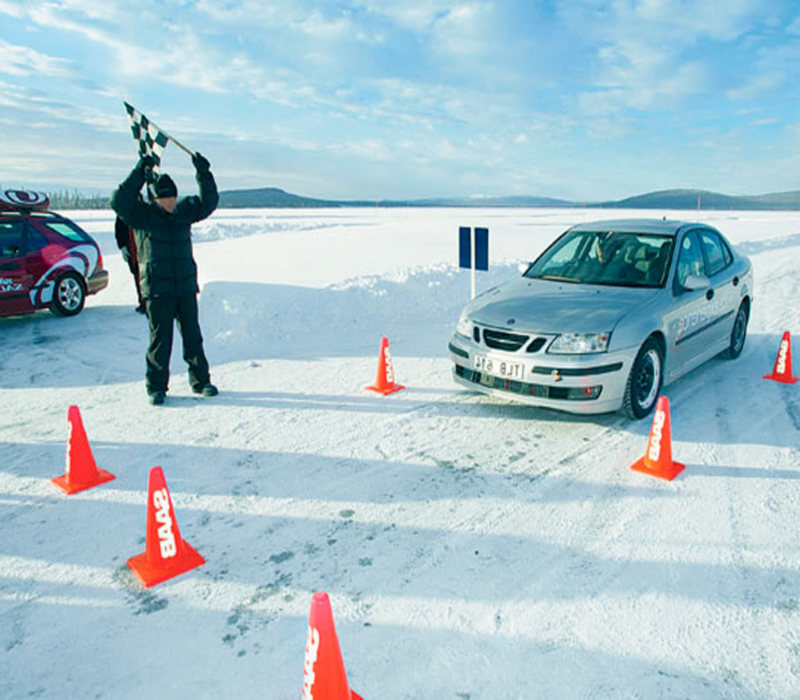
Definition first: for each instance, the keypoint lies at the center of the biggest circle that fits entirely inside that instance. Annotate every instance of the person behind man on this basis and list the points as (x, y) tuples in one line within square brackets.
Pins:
[(167, 270), (127, 248)]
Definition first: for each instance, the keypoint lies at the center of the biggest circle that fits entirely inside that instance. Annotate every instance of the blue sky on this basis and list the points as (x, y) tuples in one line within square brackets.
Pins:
[(415, 98)]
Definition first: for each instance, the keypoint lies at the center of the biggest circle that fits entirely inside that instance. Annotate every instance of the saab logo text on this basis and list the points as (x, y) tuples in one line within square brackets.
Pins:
[(389, 369), (69, 449), (783, 351), (312, 649), (654, 449), (166, 539)]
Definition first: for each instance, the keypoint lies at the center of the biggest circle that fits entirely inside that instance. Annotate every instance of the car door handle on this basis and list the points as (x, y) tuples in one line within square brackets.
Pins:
[(710, 294), (735, 281)]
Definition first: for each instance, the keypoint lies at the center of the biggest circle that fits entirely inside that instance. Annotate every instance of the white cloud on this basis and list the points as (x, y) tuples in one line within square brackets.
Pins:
[(24, 61), (756, 86), (13, 9)]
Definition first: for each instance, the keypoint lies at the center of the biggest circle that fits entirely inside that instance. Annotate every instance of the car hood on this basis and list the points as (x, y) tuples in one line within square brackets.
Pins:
[(545, 306)]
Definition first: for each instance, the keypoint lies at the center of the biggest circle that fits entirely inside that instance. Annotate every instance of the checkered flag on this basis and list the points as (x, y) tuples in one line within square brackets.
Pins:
[(152, 141)]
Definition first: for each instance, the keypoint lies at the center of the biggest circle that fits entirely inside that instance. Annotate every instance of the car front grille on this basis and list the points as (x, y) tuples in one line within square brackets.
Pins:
[(502, 340), (509, 342)]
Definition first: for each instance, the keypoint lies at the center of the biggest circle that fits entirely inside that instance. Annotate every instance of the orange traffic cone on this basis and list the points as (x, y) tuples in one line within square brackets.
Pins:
[(81, 471), (384, 384), (782, 371), (166, 554), (657, 460), (324, 677)]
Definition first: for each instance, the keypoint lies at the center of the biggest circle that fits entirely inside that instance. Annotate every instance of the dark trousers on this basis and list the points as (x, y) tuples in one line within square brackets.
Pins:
[(162, 313)]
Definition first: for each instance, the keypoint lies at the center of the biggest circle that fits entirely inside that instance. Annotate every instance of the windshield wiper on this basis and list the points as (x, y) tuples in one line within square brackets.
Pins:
[(557, 278)]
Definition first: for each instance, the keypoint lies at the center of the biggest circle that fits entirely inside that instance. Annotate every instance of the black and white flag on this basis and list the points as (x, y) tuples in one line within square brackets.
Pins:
[(152, 141)]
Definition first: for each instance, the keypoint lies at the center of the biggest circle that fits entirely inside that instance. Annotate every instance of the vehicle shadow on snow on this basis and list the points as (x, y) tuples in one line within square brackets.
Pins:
[(728, 402), (461, 403)]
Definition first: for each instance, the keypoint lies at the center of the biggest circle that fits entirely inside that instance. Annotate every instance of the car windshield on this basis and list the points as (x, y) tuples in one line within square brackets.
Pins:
[(606, 257)]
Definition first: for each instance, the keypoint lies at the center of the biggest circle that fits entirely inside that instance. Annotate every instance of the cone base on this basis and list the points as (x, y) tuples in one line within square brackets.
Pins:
[(782, 379), (69, 488), (151, 575), (668, 473), (386, 389)]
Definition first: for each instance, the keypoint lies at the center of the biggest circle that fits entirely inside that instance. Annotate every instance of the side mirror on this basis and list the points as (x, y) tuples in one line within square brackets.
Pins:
[(696, 282)]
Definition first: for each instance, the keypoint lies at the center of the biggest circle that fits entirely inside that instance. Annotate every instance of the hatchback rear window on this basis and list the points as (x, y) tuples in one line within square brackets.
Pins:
[(67, 230)]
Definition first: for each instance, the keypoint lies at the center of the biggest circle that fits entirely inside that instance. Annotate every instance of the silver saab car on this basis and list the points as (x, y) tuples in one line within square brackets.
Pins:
[(606, 315)]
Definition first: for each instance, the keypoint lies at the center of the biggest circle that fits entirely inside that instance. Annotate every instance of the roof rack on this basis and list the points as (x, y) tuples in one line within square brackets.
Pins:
[(23, 199)]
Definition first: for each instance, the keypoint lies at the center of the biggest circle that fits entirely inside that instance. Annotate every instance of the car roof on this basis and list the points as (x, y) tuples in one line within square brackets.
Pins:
[(663, 227), (8, 215)]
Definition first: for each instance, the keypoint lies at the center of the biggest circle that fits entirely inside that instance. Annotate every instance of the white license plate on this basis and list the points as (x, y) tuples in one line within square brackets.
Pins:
[(499, 368)]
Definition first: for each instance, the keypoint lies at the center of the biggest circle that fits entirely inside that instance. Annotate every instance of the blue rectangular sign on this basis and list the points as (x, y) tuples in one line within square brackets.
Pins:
[(481, 248), (464, 247)]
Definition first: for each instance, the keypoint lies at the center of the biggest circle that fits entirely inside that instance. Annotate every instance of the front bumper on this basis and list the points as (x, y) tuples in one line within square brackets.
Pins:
[(592, 383)]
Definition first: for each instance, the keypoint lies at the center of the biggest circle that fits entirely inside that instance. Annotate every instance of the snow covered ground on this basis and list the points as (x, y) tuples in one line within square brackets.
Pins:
[(472, 548)]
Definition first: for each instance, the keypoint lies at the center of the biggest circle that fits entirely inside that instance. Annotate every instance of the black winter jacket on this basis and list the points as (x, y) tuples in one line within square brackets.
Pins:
[(164, 239)]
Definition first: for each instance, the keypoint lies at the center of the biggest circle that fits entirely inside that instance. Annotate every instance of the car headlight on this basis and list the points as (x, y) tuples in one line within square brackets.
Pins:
[(464, 326), (580, 343)]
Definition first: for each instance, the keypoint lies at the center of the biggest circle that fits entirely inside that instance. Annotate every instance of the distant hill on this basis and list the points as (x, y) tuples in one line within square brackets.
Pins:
[(269, 197), (663, 199), (688, 199), (274, 197)]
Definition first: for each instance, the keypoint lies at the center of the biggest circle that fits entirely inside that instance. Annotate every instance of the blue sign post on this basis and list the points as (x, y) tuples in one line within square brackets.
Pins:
[(473, 250)]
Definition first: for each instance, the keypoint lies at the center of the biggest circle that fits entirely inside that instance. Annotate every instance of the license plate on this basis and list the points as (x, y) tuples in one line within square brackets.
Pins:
[(499, 368)]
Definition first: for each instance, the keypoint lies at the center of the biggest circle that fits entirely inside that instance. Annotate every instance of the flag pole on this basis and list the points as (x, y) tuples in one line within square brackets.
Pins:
[(180, 145)]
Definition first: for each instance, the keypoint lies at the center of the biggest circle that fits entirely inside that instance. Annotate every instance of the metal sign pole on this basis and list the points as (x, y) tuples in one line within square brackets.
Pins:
[(473, 261)]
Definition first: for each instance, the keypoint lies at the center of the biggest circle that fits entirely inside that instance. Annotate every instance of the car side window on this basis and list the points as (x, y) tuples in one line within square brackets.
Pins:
[(715, 251), (36, 239), (12, 239), (690, 259)]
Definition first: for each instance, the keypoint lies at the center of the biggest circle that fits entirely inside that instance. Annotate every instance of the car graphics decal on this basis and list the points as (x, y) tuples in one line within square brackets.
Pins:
[(81, 258), (9, 286)]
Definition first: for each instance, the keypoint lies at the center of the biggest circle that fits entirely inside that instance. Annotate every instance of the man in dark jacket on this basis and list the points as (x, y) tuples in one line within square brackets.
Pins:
[(167, 270)]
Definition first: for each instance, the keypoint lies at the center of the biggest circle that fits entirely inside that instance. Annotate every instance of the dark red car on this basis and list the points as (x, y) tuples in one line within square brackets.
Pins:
[(46, 260)]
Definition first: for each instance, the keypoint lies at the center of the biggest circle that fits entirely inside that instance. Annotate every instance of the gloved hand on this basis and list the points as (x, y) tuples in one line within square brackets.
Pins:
[(145, 163), (201, 164), (126, 254)]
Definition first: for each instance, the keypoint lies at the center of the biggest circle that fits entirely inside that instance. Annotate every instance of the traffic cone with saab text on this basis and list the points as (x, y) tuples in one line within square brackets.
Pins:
[(324, 677), (782, 371), (166, 555), (657, 460), (81, 471), (384, 384)]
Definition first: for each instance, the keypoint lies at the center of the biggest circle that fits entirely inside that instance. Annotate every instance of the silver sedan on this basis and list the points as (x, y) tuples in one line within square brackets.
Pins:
[(609, 313)]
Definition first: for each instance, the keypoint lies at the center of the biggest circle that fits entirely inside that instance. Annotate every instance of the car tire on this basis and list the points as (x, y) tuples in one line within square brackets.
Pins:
[(738, 333), (69, 295), (644, 380)]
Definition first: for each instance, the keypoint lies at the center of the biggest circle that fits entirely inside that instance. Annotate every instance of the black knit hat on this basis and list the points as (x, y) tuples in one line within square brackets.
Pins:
[(165, 186)]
